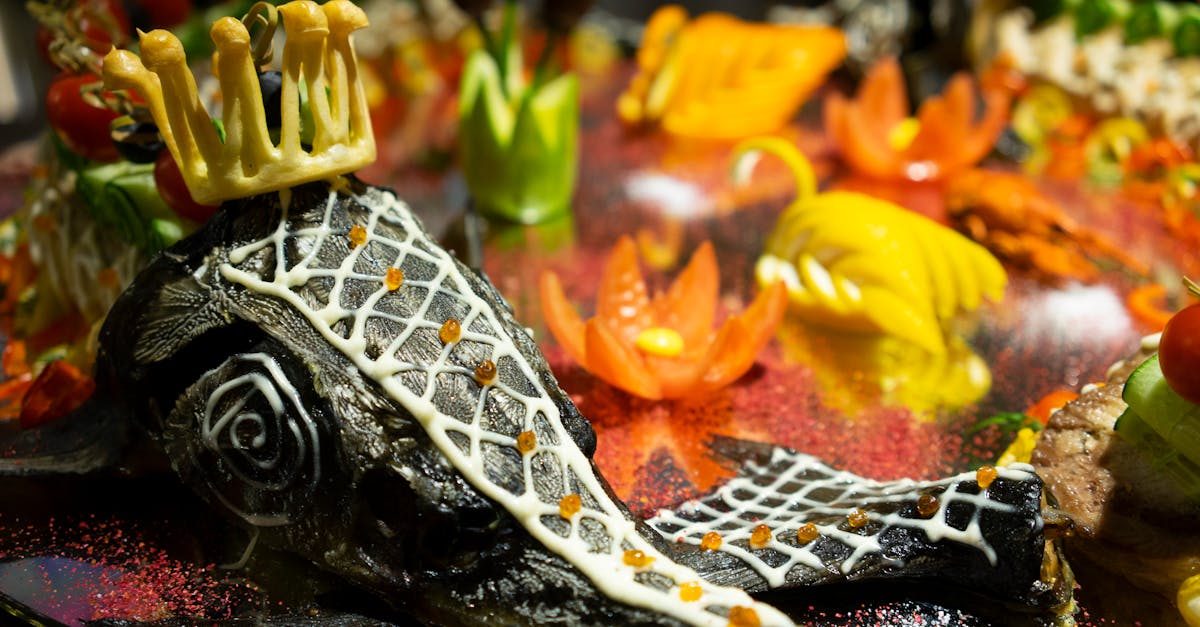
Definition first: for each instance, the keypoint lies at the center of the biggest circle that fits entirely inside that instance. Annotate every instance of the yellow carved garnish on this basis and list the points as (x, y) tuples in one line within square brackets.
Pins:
[(526, 442), (711, 541), (861, 264), (985, 476), (485, 372), (636, 558), (716, 76), (357, 235), (317, 54), (807, 533)]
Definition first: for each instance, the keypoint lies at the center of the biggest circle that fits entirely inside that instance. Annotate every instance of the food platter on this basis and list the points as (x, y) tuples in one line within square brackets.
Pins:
[(132, 543)]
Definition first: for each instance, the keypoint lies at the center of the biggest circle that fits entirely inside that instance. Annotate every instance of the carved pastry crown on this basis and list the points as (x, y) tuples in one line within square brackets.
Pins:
[(317, 51)]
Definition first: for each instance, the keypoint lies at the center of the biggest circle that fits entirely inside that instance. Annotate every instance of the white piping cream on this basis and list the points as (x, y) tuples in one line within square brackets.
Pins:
[(742, 503), (537, 512), (229, 424)]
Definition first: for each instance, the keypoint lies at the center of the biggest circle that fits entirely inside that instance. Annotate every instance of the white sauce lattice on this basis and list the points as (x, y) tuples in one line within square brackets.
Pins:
[(595, 539), (793, 489)]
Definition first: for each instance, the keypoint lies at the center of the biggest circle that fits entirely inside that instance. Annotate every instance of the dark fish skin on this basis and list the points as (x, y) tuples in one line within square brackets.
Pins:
[(385, 510), (262, 416)]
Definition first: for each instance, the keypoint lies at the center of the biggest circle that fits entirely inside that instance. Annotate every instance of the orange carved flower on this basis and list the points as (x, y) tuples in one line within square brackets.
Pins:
[(876, 137), (665, 346)]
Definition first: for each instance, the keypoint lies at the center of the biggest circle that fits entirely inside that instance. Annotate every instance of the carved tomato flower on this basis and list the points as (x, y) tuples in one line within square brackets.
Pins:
[(665, 346), (876, 137)]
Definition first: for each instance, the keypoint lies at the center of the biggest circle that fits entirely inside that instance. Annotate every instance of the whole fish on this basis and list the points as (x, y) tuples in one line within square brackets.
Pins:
[(312, 363)]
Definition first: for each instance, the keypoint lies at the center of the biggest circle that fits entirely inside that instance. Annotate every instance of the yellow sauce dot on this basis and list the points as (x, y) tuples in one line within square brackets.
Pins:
[(526, 442), (569, 506), (394, 278), (357, 235), (660, 341), (902, 135), (450, 331), (711, 541), (857, 519), (485, 372), (740, 616), (985, 476), (637, 559), (760, 536), (690, 591), (927, 505), (807, 533), (108, 278)]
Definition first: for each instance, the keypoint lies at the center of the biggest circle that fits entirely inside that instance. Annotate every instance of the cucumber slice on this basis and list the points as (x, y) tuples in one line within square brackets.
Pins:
[(1165, 458), (1173, 418)]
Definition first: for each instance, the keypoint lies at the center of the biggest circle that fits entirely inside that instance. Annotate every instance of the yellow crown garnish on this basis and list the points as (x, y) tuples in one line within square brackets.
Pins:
[(317, 51)]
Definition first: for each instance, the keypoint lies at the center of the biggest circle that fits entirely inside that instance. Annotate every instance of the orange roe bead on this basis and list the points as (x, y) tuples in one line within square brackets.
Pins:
[(807, 533), (569, 506), (450, 331), (927, 505), (711, 541), (357, 235), (690, 591), (857, 519), (108, 278), (740, 616), (637, 559), (485, 372), (760, 536), (985, 476), (394, 278), (526, 442)]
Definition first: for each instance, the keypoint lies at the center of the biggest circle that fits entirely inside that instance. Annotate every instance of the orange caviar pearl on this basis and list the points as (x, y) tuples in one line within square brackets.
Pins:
[(450, 331), (395, 276), (760, 536), (856, 519), (711, 541), (690, 591), (485, 372), (357, 235), (526, 442), (985, 476), (743, 617), (927, 505), (637, 559), (807, 533), (569, 505)]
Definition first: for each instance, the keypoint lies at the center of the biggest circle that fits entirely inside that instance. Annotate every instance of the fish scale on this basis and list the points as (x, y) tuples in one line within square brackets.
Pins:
[(459, 437)]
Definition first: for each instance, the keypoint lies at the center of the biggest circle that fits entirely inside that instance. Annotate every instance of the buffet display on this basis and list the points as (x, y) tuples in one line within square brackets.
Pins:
[(480, 320)]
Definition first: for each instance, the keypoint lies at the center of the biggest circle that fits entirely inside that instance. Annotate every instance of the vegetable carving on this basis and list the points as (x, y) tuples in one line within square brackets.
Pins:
[(876, 137), (858, 263), (661, 347), (718, 77)]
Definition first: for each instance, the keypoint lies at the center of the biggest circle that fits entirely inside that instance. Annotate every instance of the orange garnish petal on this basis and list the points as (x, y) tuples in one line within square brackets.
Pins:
[(1146, 302), (13, 359), (691, 304), (866, 151), (56, 392), (561, 318), (882, 95), (618, 363), (1042, 409), (743, 336), (622, 301)]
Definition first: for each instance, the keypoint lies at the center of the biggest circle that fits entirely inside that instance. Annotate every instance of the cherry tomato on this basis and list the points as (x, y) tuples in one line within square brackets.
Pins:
[(174, 191), (82, 126), (1179, 353)]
